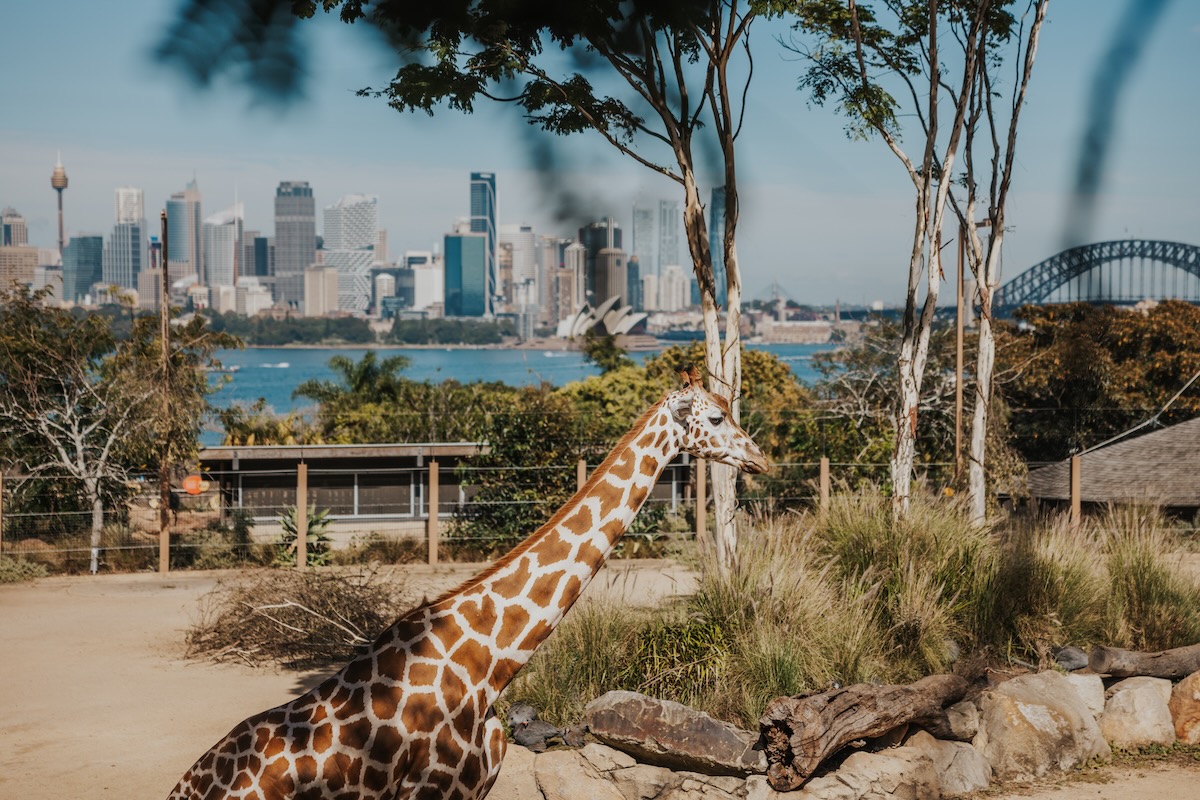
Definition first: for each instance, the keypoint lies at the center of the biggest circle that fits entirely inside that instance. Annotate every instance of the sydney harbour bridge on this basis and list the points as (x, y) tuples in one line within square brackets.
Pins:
[(1118, 272)]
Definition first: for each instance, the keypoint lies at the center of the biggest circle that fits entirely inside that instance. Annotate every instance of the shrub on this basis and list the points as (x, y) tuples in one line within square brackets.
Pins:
[(317, 544), (19, 570), (381, 548), (293, 618)]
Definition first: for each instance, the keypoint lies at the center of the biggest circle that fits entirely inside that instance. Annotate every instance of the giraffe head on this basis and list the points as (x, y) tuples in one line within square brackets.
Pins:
[(707, 429)]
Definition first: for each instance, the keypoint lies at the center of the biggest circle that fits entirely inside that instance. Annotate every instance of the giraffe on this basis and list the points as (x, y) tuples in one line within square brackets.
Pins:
[(412, 717)]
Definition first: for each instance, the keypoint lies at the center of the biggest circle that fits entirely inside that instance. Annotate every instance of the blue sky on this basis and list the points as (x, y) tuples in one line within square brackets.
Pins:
[(826, 217)]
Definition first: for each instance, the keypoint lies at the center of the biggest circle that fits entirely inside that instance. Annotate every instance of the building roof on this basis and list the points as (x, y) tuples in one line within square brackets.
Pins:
[(317, 452), (1163, 467)]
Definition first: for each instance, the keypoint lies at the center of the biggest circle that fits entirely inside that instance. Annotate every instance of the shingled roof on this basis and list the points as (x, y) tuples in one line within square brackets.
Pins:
[(1163, 466)]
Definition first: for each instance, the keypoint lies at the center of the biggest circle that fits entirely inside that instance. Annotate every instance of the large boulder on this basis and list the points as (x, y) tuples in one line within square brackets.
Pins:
[(961, 769), (672, 735), (566, 775), (903, 773), (963, 721), (1034, 725), (516, 780), (1091, 688), (1185, 709), (1136, 713)]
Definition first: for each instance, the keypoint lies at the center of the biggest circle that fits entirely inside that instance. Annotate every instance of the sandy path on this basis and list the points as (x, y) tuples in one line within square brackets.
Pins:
[(97, 701)]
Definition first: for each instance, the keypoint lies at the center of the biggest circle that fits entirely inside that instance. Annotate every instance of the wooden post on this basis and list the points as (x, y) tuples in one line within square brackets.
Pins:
[(1, 512), (1076, 485), (958, 359), (701, 499), (301, 515), (164, 467), (824, 483), (432, 503), (580, 474)]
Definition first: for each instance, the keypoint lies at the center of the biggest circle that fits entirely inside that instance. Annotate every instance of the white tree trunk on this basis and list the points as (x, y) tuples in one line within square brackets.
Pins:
[(97, 523), (985, 362)]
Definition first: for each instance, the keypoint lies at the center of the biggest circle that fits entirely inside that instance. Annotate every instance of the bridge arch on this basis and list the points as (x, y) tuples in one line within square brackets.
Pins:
[(1064, 273)]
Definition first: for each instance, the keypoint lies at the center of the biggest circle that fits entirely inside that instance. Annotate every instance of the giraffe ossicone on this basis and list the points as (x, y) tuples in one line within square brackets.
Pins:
[(412, 717)]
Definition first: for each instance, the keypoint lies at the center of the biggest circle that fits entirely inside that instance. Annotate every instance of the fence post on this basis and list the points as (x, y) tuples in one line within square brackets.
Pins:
[(301, 515), (824, 484), (580, 474), (1076, 483), (1, 512), (701, 499), (432, 502)]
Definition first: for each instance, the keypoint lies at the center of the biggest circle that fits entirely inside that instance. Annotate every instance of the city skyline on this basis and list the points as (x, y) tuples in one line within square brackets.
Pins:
[(825, 217)]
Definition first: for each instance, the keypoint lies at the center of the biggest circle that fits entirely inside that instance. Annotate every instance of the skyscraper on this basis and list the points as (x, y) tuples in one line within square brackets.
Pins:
[(295, 239), (645, 237), (716, 242), (58, 181), (185, 239), (612, 276), (83, 264), (13, 230), (466, 264), (126, 255), (222, 240), (351, 232), (670, 224), (483, 220), (633, 290), (596, 237), (526, 280)]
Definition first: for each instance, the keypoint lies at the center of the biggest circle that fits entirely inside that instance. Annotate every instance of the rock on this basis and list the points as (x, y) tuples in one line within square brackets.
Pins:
[(672, 735), (821, 788), (1091, 689), (1034, 725), (694, 786), (606, 759), (644, 781), (961, 769), (903, 773), (1185, 709), (1136, 713), (1071, 658), (516, 780), (964, 720), (566, 775)]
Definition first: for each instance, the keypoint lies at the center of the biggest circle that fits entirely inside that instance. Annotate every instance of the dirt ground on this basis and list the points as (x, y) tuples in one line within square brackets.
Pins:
[(97, 700)]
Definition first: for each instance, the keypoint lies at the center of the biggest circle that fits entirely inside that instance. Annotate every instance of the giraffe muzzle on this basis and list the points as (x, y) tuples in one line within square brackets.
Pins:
[(756, 462)]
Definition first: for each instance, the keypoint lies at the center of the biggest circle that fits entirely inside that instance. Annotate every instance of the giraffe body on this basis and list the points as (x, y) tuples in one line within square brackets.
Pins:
[(412, 717)]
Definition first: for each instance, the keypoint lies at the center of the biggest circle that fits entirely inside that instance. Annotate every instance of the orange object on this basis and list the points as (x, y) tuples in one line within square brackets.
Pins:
[(193, 485)]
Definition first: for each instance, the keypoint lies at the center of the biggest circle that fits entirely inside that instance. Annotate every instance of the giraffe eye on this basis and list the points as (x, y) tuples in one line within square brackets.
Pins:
[(716, 419)]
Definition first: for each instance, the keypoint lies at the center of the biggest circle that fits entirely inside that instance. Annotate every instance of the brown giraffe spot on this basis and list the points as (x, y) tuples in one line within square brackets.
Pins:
[(420, 716), (224, 768), (242, 762), (469, 771), (261, 737), (311, 793), (275, 779), (391, 663), (457, 794), (571, 591), (622, 468), (536, 636), (318, 714), (613, 530), (384, 700), (448, 632), (416, 759), (243, 782), (543, 588), (253, 765), (274, 747), (354, 735), (447, 749), (352, 706), (254, 796), (648, 466), (421, 674), (204, 783), (453, 688), (306, 769), (637, 494), (322, 738), (360, 670), (646, 439), (374, 779), (436, 786), (609, 497), (590, 554), (660, 440), (480, 614), (515, 620), (579, 522), (512, 584), (336, 768), (497, 746), (505, 669), (339, 698), (427, 646), (276, 716), (388, 742), (474, 657), (300, 735), (464, 725), (552, 549)]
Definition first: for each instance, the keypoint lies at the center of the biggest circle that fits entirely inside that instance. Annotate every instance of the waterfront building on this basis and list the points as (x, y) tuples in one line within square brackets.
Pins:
[(562, 300), (320, 291), (14, 231), (523, 245), (670, 226), (483, 220), (612, 275), (127, 253), (295, 240), (428, 276), (222, 242), (650, 292), (83, 266), (575, 259), (149, 289), (385, 286), (351, 233), (596, 237), (17, 263), (252, 296), (674, 289), (716, 243), (185, 237), (465, 262)]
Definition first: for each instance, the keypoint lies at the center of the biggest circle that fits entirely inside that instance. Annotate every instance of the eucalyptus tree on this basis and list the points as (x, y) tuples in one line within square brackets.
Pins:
[(885, 72), (678, 70)]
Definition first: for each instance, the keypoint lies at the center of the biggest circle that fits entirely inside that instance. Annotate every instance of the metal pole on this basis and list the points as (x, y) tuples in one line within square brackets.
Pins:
[(1076, 485), (432, 500), (164, 468), (580, 474), (958, 359), (301, 515), (701, 499)]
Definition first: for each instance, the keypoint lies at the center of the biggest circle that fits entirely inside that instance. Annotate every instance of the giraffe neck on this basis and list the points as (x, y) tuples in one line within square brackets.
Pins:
[(513, 606)]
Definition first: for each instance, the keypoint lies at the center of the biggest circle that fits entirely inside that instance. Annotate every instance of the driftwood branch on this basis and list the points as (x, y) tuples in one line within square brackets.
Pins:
[(1177, 663), (798, 733)]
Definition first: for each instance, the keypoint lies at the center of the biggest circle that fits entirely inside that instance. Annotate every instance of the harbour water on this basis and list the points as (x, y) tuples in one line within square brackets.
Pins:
[(274, 373)]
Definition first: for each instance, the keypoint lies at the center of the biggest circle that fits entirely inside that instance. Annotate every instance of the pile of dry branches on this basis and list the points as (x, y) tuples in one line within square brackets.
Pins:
[(293, 619)]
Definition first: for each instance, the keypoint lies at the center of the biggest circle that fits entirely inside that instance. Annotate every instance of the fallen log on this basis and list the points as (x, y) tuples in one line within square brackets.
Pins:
[(798, 733), (1177, 663)]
